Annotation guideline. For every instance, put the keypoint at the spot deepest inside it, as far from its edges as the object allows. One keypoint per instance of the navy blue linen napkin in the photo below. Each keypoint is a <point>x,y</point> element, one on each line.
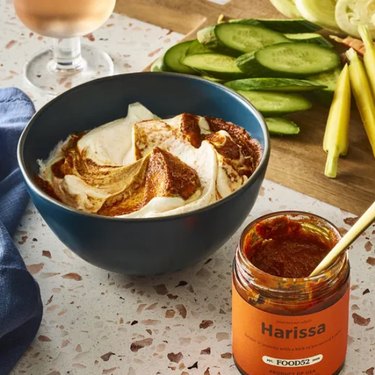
<point>20,302</point>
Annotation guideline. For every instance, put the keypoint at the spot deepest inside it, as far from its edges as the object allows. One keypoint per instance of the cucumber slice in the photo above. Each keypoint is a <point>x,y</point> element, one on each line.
<point>246,37</point>
<point>173,57</point>
<point>196,48</point>
<point>245,21</point>
<point>294,25</point>
<point>351,13</point>
<point>301,59</point>
<point>213,79</point>
<point>286,7</point>
<point>276,103</point>
<point>214,64</point>
<point>321,12</point>
<point>329,79</point>
<point>274,84</point>
<point>281,126</point>
<point>309,38</point>
<point>289,25</point>
<point>249,65</point>
<point>207,37</point>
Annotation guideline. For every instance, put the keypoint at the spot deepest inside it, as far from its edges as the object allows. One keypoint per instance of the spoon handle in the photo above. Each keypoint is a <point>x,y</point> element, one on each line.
<point>360,225</point>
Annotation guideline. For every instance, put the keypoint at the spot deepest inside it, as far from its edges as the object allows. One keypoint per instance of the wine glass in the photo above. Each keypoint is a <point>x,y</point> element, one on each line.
<point>67,63</point>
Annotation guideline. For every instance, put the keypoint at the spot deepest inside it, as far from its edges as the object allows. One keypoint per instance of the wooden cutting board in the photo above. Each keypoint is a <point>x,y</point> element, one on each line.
<point>296,162</point>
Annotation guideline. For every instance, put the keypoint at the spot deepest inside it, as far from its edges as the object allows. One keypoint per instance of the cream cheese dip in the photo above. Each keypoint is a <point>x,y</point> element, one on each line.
<point>143,166</point>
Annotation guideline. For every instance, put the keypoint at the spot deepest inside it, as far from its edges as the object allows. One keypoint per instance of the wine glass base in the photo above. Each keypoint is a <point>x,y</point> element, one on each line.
<point>42,73</point>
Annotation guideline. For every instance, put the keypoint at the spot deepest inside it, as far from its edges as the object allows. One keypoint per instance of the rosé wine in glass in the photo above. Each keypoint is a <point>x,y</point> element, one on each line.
<point>65,21</point>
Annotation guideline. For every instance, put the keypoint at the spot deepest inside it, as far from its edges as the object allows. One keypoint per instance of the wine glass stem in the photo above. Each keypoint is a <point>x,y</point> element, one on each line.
<point>67,55</point>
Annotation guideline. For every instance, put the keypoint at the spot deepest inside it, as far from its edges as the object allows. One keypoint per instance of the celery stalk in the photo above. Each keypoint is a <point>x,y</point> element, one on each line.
<point>369,55</point>
<point>336,135</point>
<point>362,95</point>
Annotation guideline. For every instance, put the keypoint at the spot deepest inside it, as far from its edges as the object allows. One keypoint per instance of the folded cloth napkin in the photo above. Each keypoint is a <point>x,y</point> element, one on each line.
<point>20,302</point>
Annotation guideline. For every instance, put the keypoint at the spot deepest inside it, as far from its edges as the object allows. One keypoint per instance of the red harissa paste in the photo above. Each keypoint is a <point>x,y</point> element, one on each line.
<point>285,249</point>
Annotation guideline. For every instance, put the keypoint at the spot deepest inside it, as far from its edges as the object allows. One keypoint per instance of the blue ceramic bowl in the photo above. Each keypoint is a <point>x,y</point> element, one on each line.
<point>140,246</point>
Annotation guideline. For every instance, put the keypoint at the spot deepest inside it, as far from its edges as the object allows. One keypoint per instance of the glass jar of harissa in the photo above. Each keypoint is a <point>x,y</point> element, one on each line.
<point>289,325</point>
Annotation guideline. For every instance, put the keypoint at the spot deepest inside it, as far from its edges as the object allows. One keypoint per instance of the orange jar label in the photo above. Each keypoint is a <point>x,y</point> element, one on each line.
<point>266,343</point>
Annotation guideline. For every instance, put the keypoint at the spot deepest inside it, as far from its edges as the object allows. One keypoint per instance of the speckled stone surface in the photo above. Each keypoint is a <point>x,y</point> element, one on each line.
<point>97,322</point>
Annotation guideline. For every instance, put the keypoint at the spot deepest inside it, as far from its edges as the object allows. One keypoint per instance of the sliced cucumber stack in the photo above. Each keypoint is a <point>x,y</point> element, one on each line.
<point>278,65</point>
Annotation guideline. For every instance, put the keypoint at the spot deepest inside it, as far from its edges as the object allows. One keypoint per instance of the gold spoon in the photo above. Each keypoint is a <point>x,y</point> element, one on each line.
<point>361,224</point>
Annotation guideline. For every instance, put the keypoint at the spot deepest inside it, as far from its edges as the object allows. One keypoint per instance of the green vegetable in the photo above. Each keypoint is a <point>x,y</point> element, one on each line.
<point>196,48</point>
<point>329,80</point>
<point>173,58</point>
<point>281,126</point>
<point>276,103</point>
<point>294,25</point>
<point>300,59</point>
<point>207,38</point>
<point>309,38</point>
<point>265,60</point>
<point>273,84</point>
<point>249,65</point>
<point>213,79</point>
<point>214,64</point>
<point>246,37</point>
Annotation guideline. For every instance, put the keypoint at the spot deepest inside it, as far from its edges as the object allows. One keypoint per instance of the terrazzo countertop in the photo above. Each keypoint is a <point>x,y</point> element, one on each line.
<point>96,322</point>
